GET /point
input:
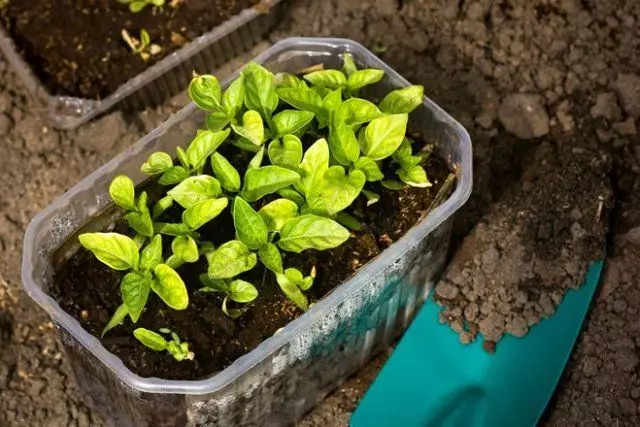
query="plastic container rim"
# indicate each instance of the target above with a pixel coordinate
(290, 331)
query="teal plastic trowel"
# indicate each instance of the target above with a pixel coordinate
(431, 380)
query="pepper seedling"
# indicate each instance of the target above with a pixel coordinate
(143, 46)
(136, 6)
(178, 349)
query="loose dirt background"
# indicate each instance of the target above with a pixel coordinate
(517, 74)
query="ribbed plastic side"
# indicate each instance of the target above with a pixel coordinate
(159, 82)
(289, 373)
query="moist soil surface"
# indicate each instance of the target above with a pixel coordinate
(216, 339)
(517, 74)
(89, 59)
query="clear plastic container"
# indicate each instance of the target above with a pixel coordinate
(289, 373)
(158, 82)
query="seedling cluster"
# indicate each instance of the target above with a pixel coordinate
(315, 147)
(137, 5)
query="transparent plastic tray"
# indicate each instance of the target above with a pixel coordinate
(289, 373)
(158, 82)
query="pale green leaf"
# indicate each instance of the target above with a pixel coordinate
(302, 99)
(349, 66)
(173, 175)
(117, 319)
(217, 121)
(414, 176)
(242, 291)
(275, 214)
(225, 172)
(233, 97)
(403, 100)
(204, 91)
(122, 192)
(185, 248)
(370, 168)
(362, 78)
(252, 127)
(171, 229)
(150, 339)
(286, 153)
(355, 111)
(293, 195)
(201, 213)
(288, 80)
(271, 258)
(292, 292)
(182, 157)
(339, 191)
(213, 285)
(140, 220)
(314, 165)
(256, 160)
(233, 313)
(230, 259)
(391, 184)
(250, 227)
(343, 143)
(194, 190)
(259, 90)
(266, 180)
(371, 196)
(170, 287)
(152, 254)
(204, 144)
(348, 221)
(290, 122)
(116, 250)
(311, 232)
(161, 205)
(157, 163)
(384, 135)
(331, 79)
(135, 289)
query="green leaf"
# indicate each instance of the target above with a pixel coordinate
(343, 143)
(152, 254)
(139, 239)
(145, 39)
(230, 259)
(150, 339)
(216, 121)
(266, 180)
(206, 247)
(370, 168)
(331, 79)
(116, 320)
(252, 127)
(182, 157)
(294, 275)
(225, 172)
(161, 205)
(122, 192)
(204, 144)
(332, 101)
(259, 90)
(135, 292)
(302, 99)
(275, 214)
(289, 122)
(271, 258)
(415, 177)
(233, 313)
(288, 80)
(371, 197)
(340, 190)
(349, 66)
(348, 221)
(384, 135)
(403, 100)
(292, 292)
(213, 285)
(356, 111)
(306, 283)
(141, 221)
(170, 287)
(199, 214)
(287, 154)
(250, 227)
(185, 248)
(171, 229)
(242, 291)
(256, 160)
(314, 165)
(311, 232)
(117, 251)
(362, 78)
(233, 97)
(204, 91)
(403, 155)
(194, 190)
(157, 163)
(293, 195)
(137, 5)
(391, 184)
(173, 175)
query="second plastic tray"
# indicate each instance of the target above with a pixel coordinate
(158, 82)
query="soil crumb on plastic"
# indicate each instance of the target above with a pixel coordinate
(530, 248)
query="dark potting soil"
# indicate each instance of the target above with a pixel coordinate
(90, 291)
(89, 59)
